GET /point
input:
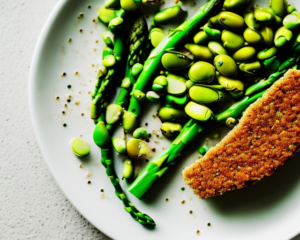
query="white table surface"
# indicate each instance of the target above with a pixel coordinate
(31, 204)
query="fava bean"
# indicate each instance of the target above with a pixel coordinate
(226, 66)
(138, 149)
(168, 114)
(119, 145)
(170, 130)
(199, 112)
(202, 72)
(79, 147)
(140, 133)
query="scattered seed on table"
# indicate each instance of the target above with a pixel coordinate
(69, 100)
(63, 112)
(66, 105)
(69, 86)
(197, 231)
(81, 166)
(89, 92)
(89, 182)
(190, 211)
(102, 190)
(94, 20)
(57, 98)
(63, 74)
(64, 125)
(82, 114)
(146, 124)
(76, 73)
(95, 49)
(93, 65)
(89, 6)
(77, 102)
(81, 30)
(96, 41)
(183, 201)
(208, 224)
(182, 189)
(167, 199)
(69, 39)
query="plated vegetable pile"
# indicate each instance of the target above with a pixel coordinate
(221, 55)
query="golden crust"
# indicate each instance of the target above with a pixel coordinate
(266, 136)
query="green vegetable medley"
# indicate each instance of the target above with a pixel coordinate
(222, 54)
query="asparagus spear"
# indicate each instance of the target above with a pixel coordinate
(137, 53)
(102, 140)
(104, 83)
(192, 130)
(153, 63)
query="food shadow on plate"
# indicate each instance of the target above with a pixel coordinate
(264, 195)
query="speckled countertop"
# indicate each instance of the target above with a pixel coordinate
(31, 204)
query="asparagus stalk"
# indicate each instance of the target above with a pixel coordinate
(105, 79)
(153, 63)
(192, 130)
(99, 103)
(102, 140)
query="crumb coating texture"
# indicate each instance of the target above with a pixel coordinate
(266, 136)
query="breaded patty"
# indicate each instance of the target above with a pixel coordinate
(266, 136)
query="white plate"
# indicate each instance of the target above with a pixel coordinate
(269, 210)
